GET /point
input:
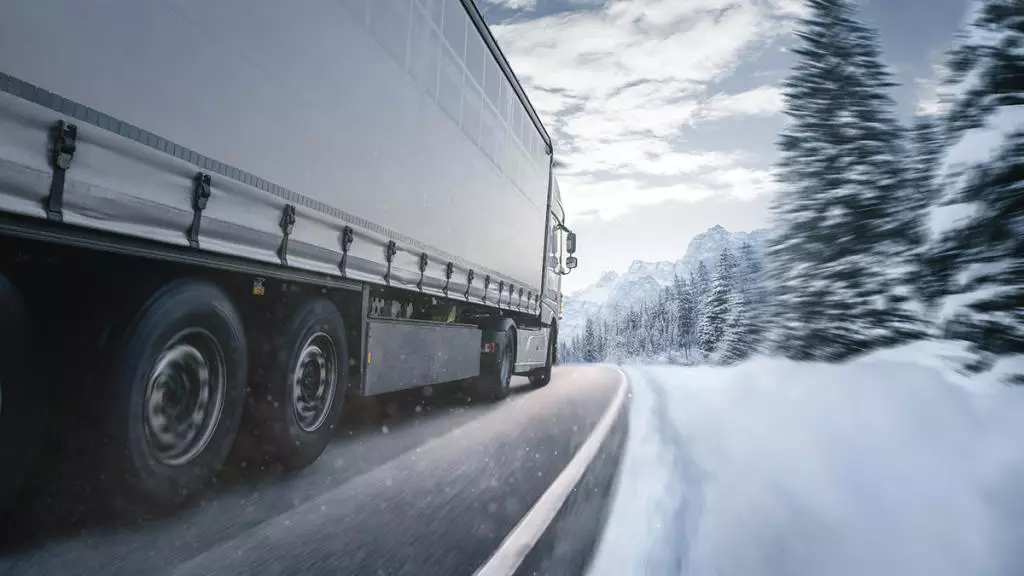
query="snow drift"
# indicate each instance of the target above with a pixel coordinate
(884, 465)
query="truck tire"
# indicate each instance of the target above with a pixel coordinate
(21, 398)
(299, 389)
(495, 380)
(177, 383)
(542, 376)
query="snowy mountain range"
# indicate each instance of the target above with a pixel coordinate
(644, 280)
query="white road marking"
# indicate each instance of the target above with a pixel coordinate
(514, 548)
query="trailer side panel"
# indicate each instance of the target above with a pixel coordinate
(391, 117)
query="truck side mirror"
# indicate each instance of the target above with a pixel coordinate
(570, 243)
(572, 262)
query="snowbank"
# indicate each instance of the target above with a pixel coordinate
(949, 358)
(884, 465)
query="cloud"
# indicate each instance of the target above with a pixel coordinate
(762, 101)
(618, 83)
(608, 199)
(515, 4)
(791, 8)
(743, 183)
(640, 157)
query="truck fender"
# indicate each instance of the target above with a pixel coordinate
(490, 335)
(492, 329)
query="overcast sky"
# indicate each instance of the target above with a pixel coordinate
(666, 111)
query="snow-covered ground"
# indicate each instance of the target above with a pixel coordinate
(886, 465)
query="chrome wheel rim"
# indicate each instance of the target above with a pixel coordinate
(314, 382)
(185, 397)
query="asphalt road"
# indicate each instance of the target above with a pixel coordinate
(414, 484)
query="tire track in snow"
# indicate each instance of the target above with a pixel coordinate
(679, 537)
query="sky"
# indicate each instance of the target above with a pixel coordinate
(664, 113)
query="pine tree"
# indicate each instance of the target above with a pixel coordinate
(702, 281)
(686, 316)
(925, 150)
(574, 351)
(655, 328)
(605, 339)
(660, 340)
(840, 258)
(668, 321)
(644, 336)
(615, 336)
(721, 310)
(749, 331)
(733, 348)
(977, 257)
(678, 285)
(702, 290)
(663, 316)
(634, 333)
(590, 346)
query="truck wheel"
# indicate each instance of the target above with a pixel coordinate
(495, 380)
(177, 391)
(299, 393)
(21, 398)
(543, 375)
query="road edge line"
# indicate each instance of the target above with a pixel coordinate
(510, 554)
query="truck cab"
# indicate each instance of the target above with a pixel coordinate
(561, 245)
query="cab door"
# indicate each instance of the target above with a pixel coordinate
(552, 302)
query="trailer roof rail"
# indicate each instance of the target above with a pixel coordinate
(481, 25)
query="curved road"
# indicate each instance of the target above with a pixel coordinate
(414, 484)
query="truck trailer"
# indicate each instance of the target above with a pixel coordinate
(229, 215)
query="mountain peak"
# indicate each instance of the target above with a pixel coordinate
(637, 266)
(645, 280)
(706, 247)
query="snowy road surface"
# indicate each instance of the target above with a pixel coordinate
(882, 466)
(433, 490)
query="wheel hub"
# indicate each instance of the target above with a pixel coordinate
(185, 397)
(314, 382)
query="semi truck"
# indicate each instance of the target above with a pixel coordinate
(222, 217)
